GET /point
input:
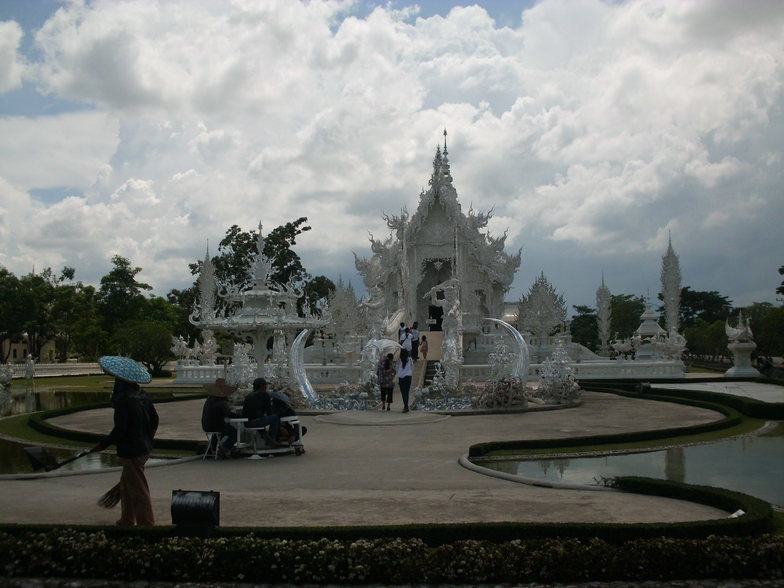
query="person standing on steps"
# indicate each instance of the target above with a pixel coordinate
(423, 347)
(407, 340)
(415, 341)
(405, 371)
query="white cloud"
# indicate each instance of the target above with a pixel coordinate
(11, 62)
(593, 128)
(63, 150)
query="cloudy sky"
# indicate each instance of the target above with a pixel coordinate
(594, 129)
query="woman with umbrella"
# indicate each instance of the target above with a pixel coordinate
(135, 424)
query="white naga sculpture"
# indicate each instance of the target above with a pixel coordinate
(740, 333)
(741, 344)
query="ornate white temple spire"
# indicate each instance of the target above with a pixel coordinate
(604, 317)
(441, 172)
(671, 288)
(446, 172)
(205, 308)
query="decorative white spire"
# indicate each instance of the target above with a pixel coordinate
(604, 316)
(671, 288)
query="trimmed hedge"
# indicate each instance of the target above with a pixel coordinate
(73, 553)
(758, 517)
(748, 406)
(38, 422)
(731, 419)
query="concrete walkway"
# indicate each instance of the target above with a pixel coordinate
(370, 468)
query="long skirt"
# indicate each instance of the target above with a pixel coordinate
(135, 494)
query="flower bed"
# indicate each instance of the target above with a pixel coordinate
(67, 552)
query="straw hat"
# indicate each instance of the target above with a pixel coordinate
(125, 368)
(220, 388)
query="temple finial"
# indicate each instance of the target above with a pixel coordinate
(445, 140)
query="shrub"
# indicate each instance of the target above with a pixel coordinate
(67, 552)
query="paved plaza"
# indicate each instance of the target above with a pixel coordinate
(370, 468)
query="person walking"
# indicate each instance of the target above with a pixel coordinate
(405, 371)
(386, 380)
(135, 424)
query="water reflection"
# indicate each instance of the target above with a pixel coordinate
(22, 398)
(16, 400)
(750, 464)
(13, 459)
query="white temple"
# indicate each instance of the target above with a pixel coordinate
(439, 249)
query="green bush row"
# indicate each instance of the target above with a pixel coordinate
(731, 419)
(67, 552)
(747, 406)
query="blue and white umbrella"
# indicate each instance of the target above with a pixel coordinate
(125, 368)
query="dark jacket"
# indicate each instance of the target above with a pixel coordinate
(256, 405)
(215, 410)
(135, 423)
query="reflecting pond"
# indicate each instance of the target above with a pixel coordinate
(22, 398)
(752, 464)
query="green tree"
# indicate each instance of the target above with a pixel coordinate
(238, 248)
(11, 313)
(767, 324)
(316, 291)
(146, 341)
(626, 311)
(74, 309)
(584, 327)
(706, 341)
(120, 297)
(37, 291)
(708, 306)
(184, 301)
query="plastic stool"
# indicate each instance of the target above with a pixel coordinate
(212, 436)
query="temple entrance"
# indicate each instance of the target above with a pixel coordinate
(434, 271)
(435, 316)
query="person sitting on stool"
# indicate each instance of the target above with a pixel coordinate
(215, 412)
(257, 408)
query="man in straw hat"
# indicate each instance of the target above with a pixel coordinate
(215, 412)
(135, 424)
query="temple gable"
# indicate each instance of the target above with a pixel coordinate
(439, 243)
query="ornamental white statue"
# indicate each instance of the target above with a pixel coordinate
(741, 344)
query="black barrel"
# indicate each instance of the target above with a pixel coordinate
(195, 512)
